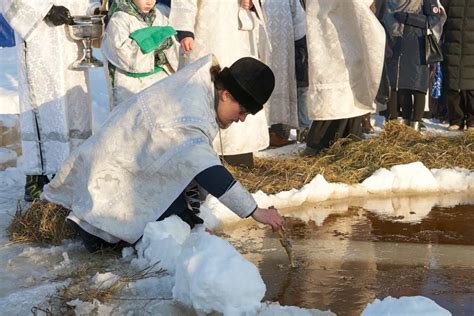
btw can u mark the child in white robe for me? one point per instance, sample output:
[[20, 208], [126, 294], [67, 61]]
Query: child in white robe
[[139, 46]]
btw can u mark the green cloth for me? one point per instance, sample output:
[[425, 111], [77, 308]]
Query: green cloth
[[152, 37]]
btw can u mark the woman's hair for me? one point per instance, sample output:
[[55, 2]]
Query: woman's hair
[[215, 71]]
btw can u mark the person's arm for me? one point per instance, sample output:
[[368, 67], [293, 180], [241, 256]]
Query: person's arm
[[218, 181], [412, 19], [24, 16], [183, 17]]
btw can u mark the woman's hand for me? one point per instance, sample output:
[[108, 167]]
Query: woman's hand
[[246, 4], [187, 44], [269, 216]]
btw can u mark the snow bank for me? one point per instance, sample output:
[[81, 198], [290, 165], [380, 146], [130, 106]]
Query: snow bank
[[415, 305], [401, 179]]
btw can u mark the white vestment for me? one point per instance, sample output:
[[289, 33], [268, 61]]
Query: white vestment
[[55, 107], [285, 21], [215, 24], [346, 46], [125, 54], [142, 158]]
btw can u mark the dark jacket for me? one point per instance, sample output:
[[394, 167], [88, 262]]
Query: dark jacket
[[458, 46], [406, 65]]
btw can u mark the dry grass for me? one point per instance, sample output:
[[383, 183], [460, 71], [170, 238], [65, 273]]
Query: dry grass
[[350, 161], [42, 222]]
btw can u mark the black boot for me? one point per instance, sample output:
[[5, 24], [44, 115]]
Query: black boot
[[34, 186]]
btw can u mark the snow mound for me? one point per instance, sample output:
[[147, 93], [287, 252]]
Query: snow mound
[[212, 276], [161, 244]]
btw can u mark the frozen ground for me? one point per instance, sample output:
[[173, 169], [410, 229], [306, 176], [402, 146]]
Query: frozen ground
[[205, 279]]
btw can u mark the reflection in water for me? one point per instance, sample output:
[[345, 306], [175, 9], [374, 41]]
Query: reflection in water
[[348, 256]]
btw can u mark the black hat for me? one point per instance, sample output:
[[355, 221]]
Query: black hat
[[250, 82]]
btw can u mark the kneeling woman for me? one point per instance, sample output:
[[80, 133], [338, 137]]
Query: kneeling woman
[[136, 168]]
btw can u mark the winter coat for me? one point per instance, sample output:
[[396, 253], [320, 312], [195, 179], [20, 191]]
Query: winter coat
[[126, 56], [215, 25], [458, 46], [55, 106], [406, 65]]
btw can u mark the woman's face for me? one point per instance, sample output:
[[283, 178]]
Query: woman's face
[[145, 5], [228, 110]]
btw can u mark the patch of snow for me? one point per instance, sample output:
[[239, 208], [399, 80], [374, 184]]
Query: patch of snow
[[405, 305], [105, 280]]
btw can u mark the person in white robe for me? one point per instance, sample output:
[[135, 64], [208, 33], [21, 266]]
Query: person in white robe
[[346, 45], [55, 106], [224, 28], [286, 24], [135, 169], [139, 46]]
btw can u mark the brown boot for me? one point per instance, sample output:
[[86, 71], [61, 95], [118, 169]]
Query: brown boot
[[367, 127], [279, 141]]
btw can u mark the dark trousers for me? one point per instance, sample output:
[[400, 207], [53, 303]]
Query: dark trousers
[[461, 107], [411, 103], [323, 134]]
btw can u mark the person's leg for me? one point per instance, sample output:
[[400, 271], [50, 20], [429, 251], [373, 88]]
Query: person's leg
[[303, 119], [405, 101], [469, 109], [91, 243], [455, 112], [392, 107], [419, 100]]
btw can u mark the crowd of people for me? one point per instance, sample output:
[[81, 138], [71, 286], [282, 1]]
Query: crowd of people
[[195, 81]]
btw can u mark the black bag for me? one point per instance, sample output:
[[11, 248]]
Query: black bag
[[433, 52]]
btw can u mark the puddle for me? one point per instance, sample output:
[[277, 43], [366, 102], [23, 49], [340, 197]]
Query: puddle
[[351, 252]]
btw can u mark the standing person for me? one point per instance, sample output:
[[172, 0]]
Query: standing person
[[406, 24], [224, 28], [55, 106], [286, 25], [139, 47], [113, 193], [346, 50], [459, 63]]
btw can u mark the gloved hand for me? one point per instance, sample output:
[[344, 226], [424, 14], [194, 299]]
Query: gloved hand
[[59, 15], [401, 16]]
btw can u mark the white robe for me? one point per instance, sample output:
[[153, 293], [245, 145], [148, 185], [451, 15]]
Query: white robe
[[142, 158], [124, 53], [55, 107], [346, 45], [285, 21], [215, 25]]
